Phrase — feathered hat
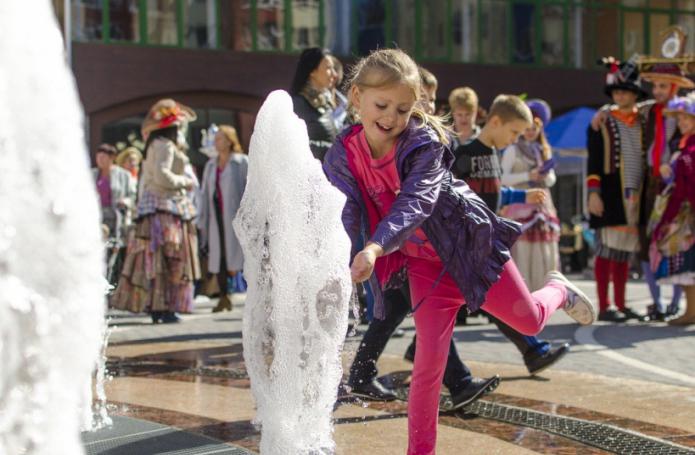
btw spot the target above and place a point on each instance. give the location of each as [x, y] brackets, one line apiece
[681, 105]
[622, 76]
[165, 113]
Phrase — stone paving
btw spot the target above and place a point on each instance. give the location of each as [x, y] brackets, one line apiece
[635, 376]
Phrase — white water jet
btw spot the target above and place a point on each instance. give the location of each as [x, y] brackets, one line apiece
[296, 263]
[51, 285]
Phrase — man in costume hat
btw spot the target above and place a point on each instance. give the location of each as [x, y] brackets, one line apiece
[661, 137]
[615, 181]
[667, 75]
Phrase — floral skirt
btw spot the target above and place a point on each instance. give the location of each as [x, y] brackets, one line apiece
[160, 267]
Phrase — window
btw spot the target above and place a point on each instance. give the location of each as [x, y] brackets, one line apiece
[161, 22]
[523, 33]
[124, 22]
[270, 24]
[59, 10]
[687, 21]
[606, 31]
[465, 30]
[657, 24]
[435, 28]
[305, 24]
[337, 20]
[582, 39]
[633, 34]
[87, 20]
[200, 23]
[493, 31]
[553, 42]
[663, 4]
[371, 18]
[403, 25]
[235, 25]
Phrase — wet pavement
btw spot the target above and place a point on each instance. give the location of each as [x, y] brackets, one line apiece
[626, 388]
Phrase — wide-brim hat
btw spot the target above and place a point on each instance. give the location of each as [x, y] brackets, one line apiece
[166, 113]
[681, 105]
[128, 151]
[540, 109]
[669, 72]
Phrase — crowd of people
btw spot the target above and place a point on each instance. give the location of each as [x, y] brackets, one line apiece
[165, 226]
[448, 215]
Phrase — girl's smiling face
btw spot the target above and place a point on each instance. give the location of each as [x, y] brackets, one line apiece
[384, 113]
[531, 134]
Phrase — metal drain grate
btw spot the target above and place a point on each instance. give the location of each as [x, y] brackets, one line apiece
[599, 435]
[128, 436]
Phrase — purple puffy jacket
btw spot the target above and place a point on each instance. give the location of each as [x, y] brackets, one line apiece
[472, 242]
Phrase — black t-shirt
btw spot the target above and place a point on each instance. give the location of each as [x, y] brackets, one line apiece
[479, 166]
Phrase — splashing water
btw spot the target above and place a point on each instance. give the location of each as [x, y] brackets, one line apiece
[100, 415]
[51, 293]
[296, 263]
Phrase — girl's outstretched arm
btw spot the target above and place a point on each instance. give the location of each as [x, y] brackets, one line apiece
[336, 169]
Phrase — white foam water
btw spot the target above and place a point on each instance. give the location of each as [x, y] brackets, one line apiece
[51, 285]
[296, 263]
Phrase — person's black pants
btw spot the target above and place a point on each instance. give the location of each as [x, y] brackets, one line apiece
[363, 370]
[222, 275]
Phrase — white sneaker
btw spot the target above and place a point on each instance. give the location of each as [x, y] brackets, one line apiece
[578, 306]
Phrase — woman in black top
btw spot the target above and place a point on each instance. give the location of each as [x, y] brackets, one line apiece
[313, 99]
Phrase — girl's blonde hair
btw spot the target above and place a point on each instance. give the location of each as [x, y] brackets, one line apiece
[385, 67]
[546, 151]
[233, 138]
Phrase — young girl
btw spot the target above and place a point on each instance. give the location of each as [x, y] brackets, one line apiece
[529, 164]
[420, 222]
[672, 249]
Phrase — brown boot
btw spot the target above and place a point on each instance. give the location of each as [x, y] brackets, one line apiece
[686, 319]
[689, 317]
[225, 303]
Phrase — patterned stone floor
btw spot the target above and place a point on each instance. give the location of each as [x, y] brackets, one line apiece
[192, 377]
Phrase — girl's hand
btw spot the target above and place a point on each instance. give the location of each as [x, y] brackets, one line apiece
[535, 196]
[665, 171]
[363, 264]
[535, 176]
[595, 204]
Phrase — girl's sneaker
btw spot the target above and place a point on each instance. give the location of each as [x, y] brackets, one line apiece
[578, 306]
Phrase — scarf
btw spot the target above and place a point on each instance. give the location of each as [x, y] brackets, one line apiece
[628, 118]
[659, 135]
[322, 100]
[531, 151]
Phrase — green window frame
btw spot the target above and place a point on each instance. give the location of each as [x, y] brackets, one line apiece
[592, 7]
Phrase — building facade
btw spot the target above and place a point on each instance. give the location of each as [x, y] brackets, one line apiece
[223, 56]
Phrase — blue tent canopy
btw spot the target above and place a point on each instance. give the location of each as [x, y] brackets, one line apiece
[568, 131]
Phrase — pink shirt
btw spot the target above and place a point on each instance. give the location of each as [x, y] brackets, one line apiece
[379, 178]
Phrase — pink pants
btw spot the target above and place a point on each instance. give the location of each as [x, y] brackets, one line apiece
[508, 300]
